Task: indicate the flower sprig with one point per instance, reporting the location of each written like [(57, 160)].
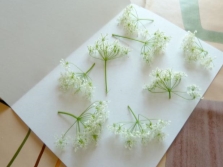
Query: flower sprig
[(105, 51), (129, 20), (194, 52), (166, 81), (142, 128), (154, 45), (74, 82), (88, 126)]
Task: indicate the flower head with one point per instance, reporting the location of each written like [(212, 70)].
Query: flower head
[(88, 125), (80, 141), (129, 20), (105, 51), (141, 129), (194, 51), (193, 91), (167, 81), (152, 46), (74, 82), (61, 141)]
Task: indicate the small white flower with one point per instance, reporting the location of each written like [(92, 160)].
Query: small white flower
[(105, 51), (117, 128), (65, 63), (152, 46), (80, 141), (194, 51), (88, 126), (74, 82), (193, 88), (61, 141), (141, 129), (130, 141), (129, 20), (159, 135), (166, 81)]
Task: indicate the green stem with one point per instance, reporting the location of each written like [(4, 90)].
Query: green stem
[(69, 128), (106, 84), (132, 113), (19, 149), (90, 69), (66, 113), (115, 35), (78, 125), (169, 91), (76, 67), (133, 126), (89, 107), (139, 19), (182, 96)]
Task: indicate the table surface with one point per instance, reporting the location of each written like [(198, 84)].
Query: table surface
[(19, 143)]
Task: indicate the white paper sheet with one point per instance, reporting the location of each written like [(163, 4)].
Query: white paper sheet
[(126, 77), (36, 34)]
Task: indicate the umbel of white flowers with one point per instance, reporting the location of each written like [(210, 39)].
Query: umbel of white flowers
[(105, 51), (152, 46), (167, 81), (88, 126), (129, 20), (141, 129), (74, 82), (194, 52)]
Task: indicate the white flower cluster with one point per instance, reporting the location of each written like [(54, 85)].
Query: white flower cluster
[(193, 91), (74, 82), (92, 126), (106, 51), (61, 141), (88, 126), (144, 130), (153, 46), (165, 81), (194, 51), (129, 21)]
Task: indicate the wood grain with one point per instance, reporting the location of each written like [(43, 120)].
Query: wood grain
[(199, 143)]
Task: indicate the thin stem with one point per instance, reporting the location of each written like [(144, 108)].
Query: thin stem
[(90, 69), (139, 19), (169, 91), (115, 35), (156, 92), (133, 126), (106, 84), (66, 113), (182, 96), (132, 113), (76, 67), (69, 128), (86, 110), (78, 125), (150, 120), (19, 149)]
